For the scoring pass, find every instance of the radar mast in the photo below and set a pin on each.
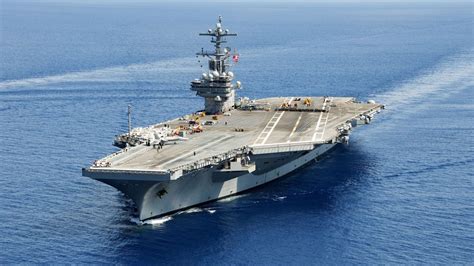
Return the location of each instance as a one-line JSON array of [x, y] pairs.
[[215, 86]]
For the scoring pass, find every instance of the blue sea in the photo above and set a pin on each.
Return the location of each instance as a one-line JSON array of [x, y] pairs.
[[402, 191]]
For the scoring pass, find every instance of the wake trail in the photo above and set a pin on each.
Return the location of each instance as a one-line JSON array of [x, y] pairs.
[[129, 73], [148, 72], [158, 222], [453, 74]]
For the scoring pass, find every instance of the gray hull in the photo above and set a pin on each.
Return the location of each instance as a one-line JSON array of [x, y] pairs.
[[155, 198]]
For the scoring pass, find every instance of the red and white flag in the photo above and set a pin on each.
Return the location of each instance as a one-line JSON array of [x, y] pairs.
[[235, 58]]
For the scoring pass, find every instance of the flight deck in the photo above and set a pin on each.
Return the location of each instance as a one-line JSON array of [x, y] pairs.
[[263, 126]]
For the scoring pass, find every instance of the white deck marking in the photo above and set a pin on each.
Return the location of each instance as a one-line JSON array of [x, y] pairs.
[[324, 127], [263, 137], [283, 143], [333, 118], [273, 127], [294, 128], [321, 125], [317, 126], [191, 153], [267, 131]]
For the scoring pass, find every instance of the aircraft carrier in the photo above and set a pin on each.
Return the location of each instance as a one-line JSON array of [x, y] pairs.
[[233, 145]]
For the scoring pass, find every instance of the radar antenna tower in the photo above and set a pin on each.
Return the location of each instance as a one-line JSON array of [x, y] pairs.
[[216, 85]]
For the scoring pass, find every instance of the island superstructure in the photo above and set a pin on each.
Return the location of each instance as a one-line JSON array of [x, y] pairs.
[[231, 146]]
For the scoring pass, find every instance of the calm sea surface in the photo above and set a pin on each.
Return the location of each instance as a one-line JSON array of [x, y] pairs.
[[401, 192]]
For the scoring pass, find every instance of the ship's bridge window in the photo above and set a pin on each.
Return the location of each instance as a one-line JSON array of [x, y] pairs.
[[216, 65], [212, 65]]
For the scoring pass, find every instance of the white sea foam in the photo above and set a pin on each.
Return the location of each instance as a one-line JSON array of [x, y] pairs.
[[451, 75], [279, 198], [133, 72], [154, 222], [195, 210], [148, 72], [191, 210], [158, 221], [162, 220], [136, 221], [211, 211], [231, 198]]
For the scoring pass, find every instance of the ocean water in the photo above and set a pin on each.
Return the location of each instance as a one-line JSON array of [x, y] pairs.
[[400, 192]]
